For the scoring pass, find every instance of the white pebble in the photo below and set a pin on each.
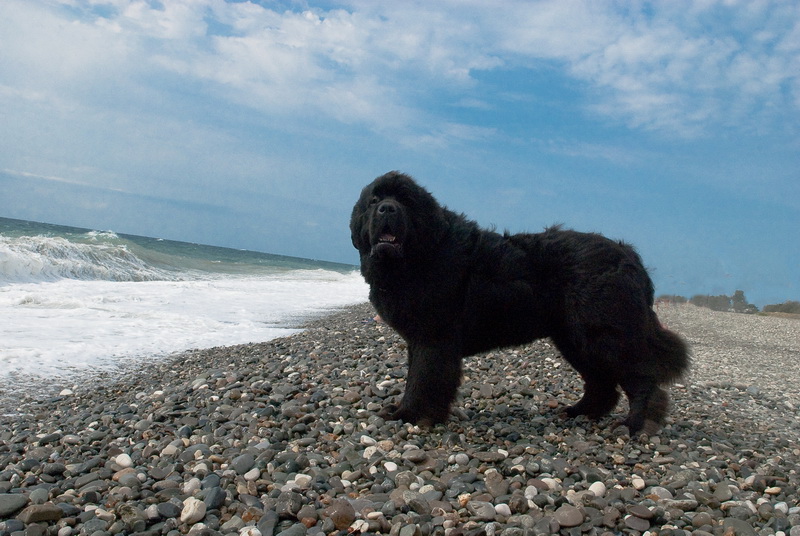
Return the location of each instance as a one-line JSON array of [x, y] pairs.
[[661, 492], [390, 467], [303, 481], [252, 474], [191, 485], [359, 526], [123, 460], [367, 441], [249, 531], [193, 510], [105, 515], [70, 439], [201, 469], [531, 492], [638, 483], [66, 392], [598, 488], [503, 510], [462, 458]]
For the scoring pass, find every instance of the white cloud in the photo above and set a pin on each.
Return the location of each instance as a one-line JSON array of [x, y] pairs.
[[676, 68]]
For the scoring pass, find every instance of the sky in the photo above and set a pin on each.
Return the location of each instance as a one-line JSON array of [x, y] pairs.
[[674, 126]]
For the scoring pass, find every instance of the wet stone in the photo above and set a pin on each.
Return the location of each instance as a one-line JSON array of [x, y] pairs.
[[215, 498], [739, 527], [40, 512], [242, 464], [341, 512], [481, 510], [10, 503], [168, 510], [637, 523], [640, 511], [701, 519], [568, 516]]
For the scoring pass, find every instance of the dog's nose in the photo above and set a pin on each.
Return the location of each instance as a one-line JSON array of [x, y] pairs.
[[387, 207]]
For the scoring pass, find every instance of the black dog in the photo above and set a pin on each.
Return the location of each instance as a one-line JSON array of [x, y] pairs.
[[452, 289]]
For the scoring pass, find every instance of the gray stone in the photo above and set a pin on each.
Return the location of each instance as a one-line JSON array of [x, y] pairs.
[[496, 484], [298, 529], [568, 516], [410, 530], [482, 510], [168, 510], [288, 504], [215, 498], [415, 455], [243, 463], [637, 523], [266, 525], [11, 502], [640, 511], [740, 527]]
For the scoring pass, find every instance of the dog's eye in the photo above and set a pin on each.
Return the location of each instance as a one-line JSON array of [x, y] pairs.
[[373, 200]]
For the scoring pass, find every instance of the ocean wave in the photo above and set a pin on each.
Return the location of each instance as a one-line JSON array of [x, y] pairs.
[[46, 258]]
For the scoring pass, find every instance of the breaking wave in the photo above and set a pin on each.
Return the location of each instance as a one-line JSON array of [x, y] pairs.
[[103, 256]]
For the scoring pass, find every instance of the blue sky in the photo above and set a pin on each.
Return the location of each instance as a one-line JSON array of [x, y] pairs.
[[672, 125]]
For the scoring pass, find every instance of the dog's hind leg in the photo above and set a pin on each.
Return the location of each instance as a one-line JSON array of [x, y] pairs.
[[663, 358], [649, 404], [600, 394]]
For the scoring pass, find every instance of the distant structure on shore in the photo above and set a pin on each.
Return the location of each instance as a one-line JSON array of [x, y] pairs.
[[730, 304]]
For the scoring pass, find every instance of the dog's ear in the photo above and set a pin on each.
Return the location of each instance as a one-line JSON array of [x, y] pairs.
[[357, 225]]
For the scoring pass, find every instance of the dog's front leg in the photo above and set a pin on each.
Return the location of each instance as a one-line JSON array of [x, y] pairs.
[[434, 374]]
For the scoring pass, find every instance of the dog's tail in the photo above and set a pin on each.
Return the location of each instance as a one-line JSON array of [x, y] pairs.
[[669, 351]]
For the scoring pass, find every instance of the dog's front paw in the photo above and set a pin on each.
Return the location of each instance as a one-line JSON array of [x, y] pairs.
[[390, 412], [394, 412]]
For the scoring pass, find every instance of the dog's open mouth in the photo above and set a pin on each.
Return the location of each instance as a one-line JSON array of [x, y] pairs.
[[387, 244]]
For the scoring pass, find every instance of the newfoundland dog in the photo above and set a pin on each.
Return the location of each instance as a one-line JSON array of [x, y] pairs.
[[452, 289]]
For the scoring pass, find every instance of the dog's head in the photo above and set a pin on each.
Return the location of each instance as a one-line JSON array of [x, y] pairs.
[[395, 218]]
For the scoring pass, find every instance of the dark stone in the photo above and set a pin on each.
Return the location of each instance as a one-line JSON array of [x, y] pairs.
[[215, 498], [40, 513]]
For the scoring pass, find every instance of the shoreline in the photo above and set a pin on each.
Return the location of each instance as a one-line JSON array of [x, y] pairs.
[[284, 436], [44, 389]]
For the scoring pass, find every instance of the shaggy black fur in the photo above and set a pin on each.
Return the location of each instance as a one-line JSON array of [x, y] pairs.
[[452, 289]]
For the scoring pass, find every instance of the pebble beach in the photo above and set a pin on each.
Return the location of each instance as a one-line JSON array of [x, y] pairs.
[[285, 437]]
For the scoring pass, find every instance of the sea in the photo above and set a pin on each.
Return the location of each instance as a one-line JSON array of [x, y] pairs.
[[78, 302]]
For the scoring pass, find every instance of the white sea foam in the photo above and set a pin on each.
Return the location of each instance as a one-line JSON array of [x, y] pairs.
[[67, 326], [74, 301]]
